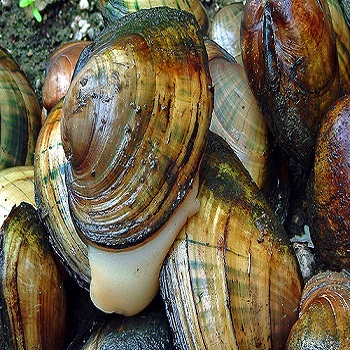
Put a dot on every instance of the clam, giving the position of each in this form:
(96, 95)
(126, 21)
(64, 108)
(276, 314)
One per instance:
(59, 72)
(285, 47)
(329, 188)
(231, 279)
(237, 119)
(20, 114)
(16, 186)
(225, 29)
(33, 300)
(324, 317)
(112, 10)
(134, 127)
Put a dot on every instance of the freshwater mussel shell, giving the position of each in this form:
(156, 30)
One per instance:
(16, 186)
(20, 114)
(59, 72)
(52, 199)
(329, 188)
(231, 279)
(324, 317)
(134, 125)
(113, 10)
(290, 57)
(238, 120)
(32, 293)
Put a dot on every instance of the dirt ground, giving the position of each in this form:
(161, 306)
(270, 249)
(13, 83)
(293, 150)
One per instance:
(31, 43)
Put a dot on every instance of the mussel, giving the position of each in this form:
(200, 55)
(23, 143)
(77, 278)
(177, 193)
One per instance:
(32, 294)
(16, 186)
(329, 188)
(112, 10)
(59, 72)
(134, 127)
(290, 57)
(20, 114)
(237, 118)
(324, 317)
(231, 279)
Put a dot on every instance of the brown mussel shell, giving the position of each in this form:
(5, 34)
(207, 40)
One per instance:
(32, 294)
(324, 318)
(231, 279)
(134, 125)
(290, 57)
(329, 188)
(59, 72)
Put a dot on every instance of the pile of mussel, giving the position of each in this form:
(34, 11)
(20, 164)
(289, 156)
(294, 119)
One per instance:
(144, 200)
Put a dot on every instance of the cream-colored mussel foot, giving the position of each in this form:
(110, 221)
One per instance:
(129, 290)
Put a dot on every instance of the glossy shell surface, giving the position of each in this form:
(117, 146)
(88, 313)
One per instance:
(231, 280)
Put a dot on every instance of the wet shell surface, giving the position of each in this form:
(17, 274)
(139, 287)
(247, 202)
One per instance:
(59, 72)
(134, 127)
(285, 47)
(237, 119)
(20, 114)
(324, 317)
(112, 10)
(231, 280)
(52, 199)
(32, 294)
(16, 186)
(225, 29)
(329, 188)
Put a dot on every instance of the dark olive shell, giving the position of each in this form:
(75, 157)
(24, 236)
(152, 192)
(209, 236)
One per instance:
(20, 114)
(290, 57)
(329, 188)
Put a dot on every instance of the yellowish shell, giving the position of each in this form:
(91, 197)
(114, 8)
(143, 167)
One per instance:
(16, 186)
(52, 198)
(231, 280)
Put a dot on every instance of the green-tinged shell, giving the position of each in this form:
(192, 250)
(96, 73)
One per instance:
(52, 198)
(32, 296)
(329, 188)
(237, 119)
(345, 5)
(342, 34)
(112, 10)
(324, 317)
(16, 186)
(20, 114)
(134, 125)
(231, 280)
(225, 29)
(290, 57)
